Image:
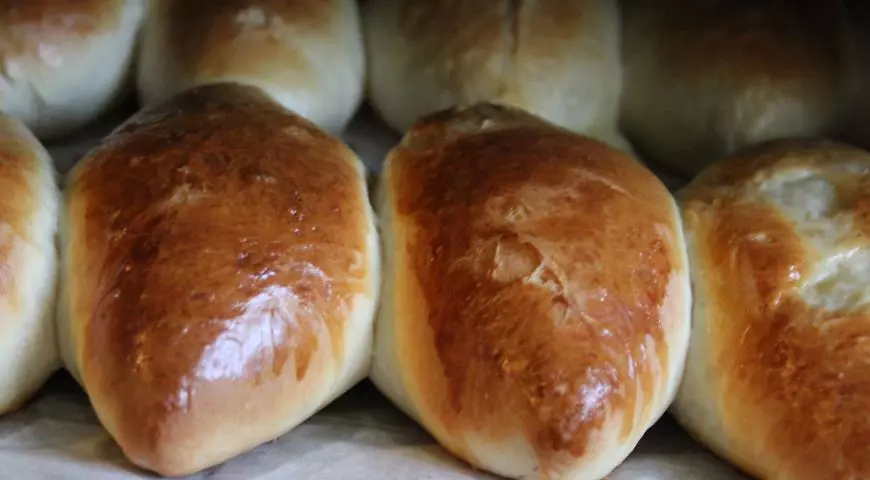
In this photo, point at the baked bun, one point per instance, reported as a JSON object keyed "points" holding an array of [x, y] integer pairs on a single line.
{"points": [[706, 78], [558, 59], [221, 272], [778, 377], [535, 310], [65, 63], [306, 54], [28, 263]]}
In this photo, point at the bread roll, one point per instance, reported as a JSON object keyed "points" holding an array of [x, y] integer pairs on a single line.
{"points": [[777, 374], [306, 54], [65, 63], [535, 310], [706, 78], [28, 263], [558, 59], [221, 273]]}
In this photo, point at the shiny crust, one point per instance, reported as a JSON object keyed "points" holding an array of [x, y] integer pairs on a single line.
{"points": [[730, 74], [777, 379], [219, 248], [307, 54], [539, 292], [28, 265], [558, 59]]}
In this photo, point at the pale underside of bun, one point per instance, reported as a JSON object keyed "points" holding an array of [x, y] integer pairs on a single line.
{"points": [[307, 55], [220, 276], [778, 376], [557, 59], [28, 262], [704, 79], [530, 341], [65, 63]]}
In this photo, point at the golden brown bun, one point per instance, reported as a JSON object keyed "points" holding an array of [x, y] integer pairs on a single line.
{"points": [[64, 62], [28, 264], [556, 58], [704, 78], [307, 54], [221, 272], [778, 376], [535, 311]]}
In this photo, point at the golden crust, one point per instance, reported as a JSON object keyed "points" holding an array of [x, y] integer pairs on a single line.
{"points": [[707, 78], [231, 38], [36, 28], [533, 265], [217, 243], [788, 370]]}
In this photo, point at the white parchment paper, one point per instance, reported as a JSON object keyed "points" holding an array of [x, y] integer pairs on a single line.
{"points": [[359, 437]]}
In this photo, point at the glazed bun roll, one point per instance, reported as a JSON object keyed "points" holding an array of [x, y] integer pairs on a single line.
{"points": [[706, 78], [306, 54], [28, 263], [558, 59], [65, 63], [220, 276], [535, 310], [778, 377]]}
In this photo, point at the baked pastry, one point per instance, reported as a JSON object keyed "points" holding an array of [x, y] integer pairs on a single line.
{"points": [[535, 309], [65, 63], [558, 59], [777, 373], [28, 264], [306, 54], [220, 276], [706, 78]]}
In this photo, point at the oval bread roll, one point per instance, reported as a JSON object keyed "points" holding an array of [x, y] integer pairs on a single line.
{"points": [[65, 63], [778, 376], [706, 78], [535, 310], [28, 263], [306, 54], [558, 59], [221, 274]]}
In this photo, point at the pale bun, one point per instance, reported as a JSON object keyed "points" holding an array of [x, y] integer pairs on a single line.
{"points": [[706, 78], [28, 263], [777, 374], [535, 310], [306, 54], [558, 59], [220, 276], [65, 63]]}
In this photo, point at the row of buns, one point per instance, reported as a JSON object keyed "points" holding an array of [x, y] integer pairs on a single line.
{"points": [[684, 82], [534, 298], [520, 290]]}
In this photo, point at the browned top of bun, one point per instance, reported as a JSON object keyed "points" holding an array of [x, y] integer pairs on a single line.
{"points": [[21, 171], [208, 34], [781, 234], [748, 39], [543, 259], [31, 26], [220, 240]]}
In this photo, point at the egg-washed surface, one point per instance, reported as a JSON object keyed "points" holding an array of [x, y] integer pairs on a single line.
{"points": [[543, 259], [227, 241], [786, 229]]}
